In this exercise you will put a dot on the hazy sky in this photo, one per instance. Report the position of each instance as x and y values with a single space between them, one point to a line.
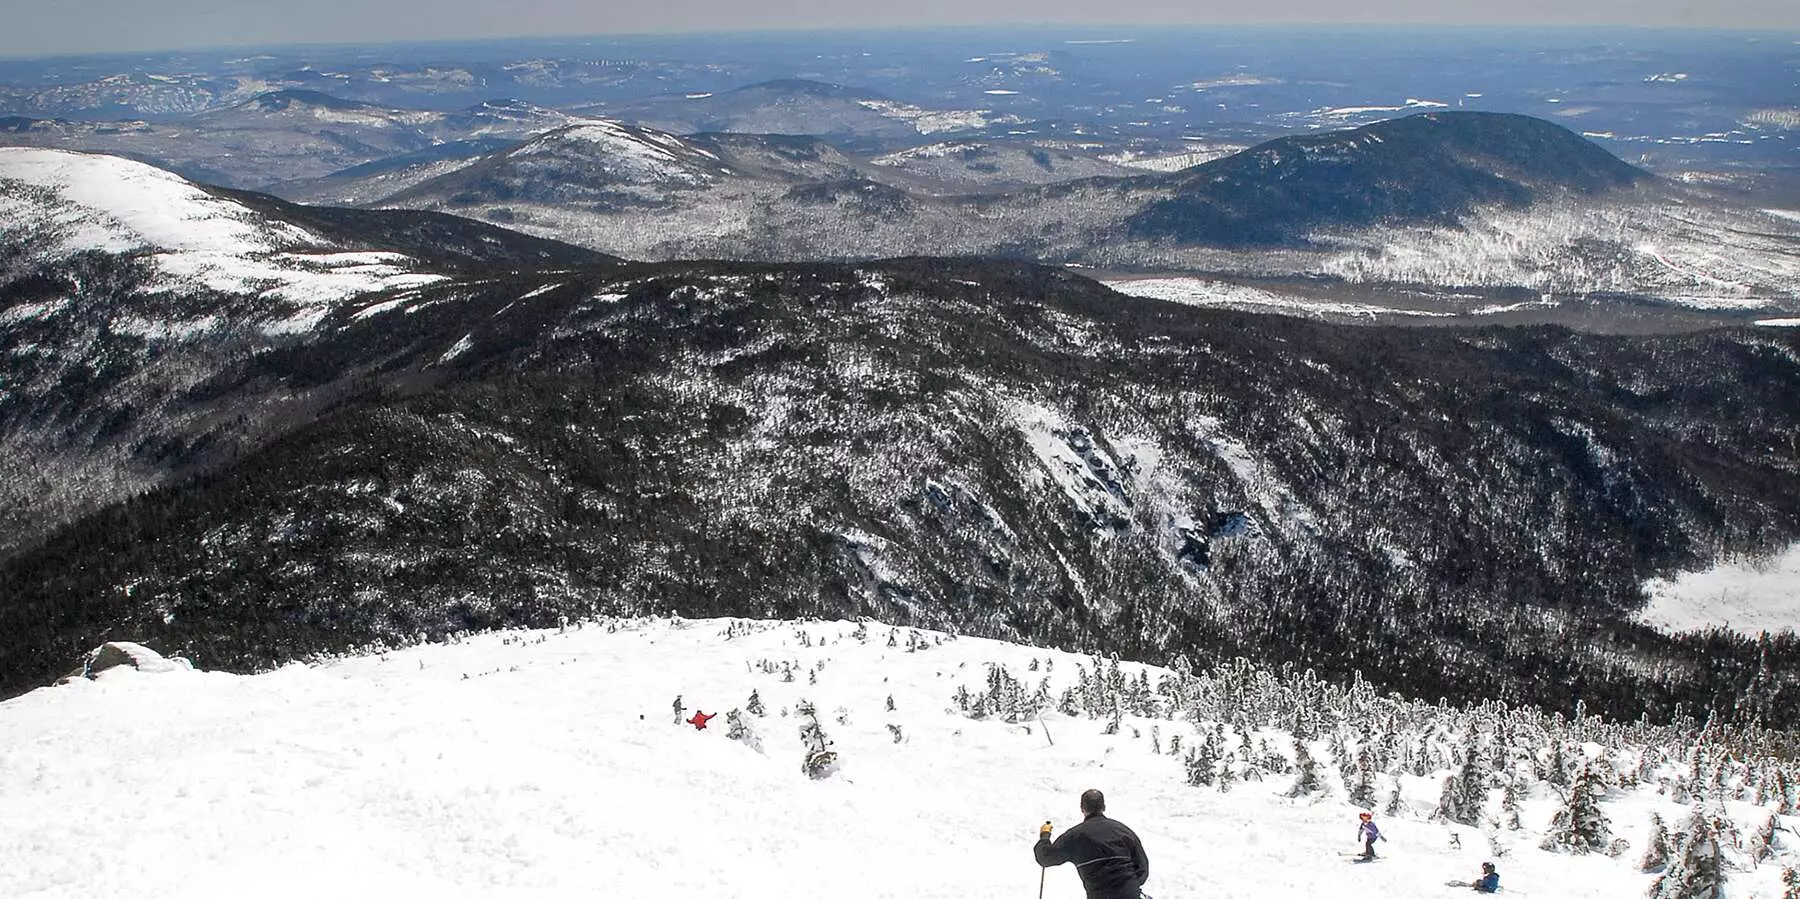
46 27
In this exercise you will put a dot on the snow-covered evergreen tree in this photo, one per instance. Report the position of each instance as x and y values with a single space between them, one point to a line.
1790 883
1361 784
1762 843
1306 776
1698 869
1465 792
740 730
1228 772
1202 764
819 761
1509 804
1556 769
1395 806
1781 792
1657 849
1581 826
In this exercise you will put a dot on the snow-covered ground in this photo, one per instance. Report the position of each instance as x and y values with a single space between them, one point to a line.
1748 596
549 764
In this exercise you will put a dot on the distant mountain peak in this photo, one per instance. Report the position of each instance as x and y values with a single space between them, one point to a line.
1431 168
280 101
810 88
627 151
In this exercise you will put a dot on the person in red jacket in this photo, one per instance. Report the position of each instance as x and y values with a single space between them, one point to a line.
1107 855
700 718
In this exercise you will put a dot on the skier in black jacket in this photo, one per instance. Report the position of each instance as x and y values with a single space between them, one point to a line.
1106 854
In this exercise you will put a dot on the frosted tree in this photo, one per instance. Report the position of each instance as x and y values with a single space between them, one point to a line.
1580 826
1306 777
1657 849
1698 871
1762 844
740 730
1202 764
1361 783
1465 792
1509 804
1395 806
1556 770
1228 772
1777 790
819 761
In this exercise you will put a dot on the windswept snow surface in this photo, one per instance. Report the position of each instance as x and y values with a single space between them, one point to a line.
548 764
1749 597
62 203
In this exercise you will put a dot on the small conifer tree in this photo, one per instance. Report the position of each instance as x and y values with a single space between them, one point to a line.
1657 849
1580 826
1306 777
1697 871
819 761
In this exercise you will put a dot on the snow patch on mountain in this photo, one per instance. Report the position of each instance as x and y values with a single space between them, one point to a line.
1072 460
62 203
936 121
1224 294
1744 595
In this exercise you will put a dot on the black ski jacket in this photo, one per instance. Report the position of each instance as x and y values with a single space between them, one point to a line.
1106 854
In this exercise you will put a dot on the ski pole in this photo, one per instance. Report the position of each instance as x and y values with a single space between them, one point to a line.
1045 832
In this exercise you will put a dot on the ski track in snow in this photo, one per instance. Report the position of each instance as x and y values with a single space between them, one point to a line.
547 764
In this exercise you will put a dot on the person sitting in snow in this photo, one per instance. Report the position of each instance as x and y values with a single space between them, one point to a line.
1368 833
1489 881
1106 854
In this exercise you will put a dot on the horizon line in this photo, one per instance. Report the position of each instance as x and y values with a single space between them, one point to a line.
794 30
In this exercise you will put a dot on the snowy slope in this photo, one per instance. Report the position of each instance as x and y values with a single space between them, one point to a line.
548 764
60 203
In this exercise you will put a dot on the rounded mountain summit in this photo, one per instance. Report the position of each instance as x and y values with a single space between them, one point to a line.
1426 169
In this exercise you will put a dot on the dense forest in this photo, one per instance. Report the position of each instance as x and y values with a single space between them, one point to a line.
990 448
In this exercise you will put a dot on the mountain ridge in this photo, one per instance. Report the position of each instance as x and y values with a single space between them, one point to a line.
989 447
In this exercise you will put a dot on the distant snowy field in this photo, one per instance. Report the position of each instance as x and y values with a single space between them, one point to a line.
1748 597
548 764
